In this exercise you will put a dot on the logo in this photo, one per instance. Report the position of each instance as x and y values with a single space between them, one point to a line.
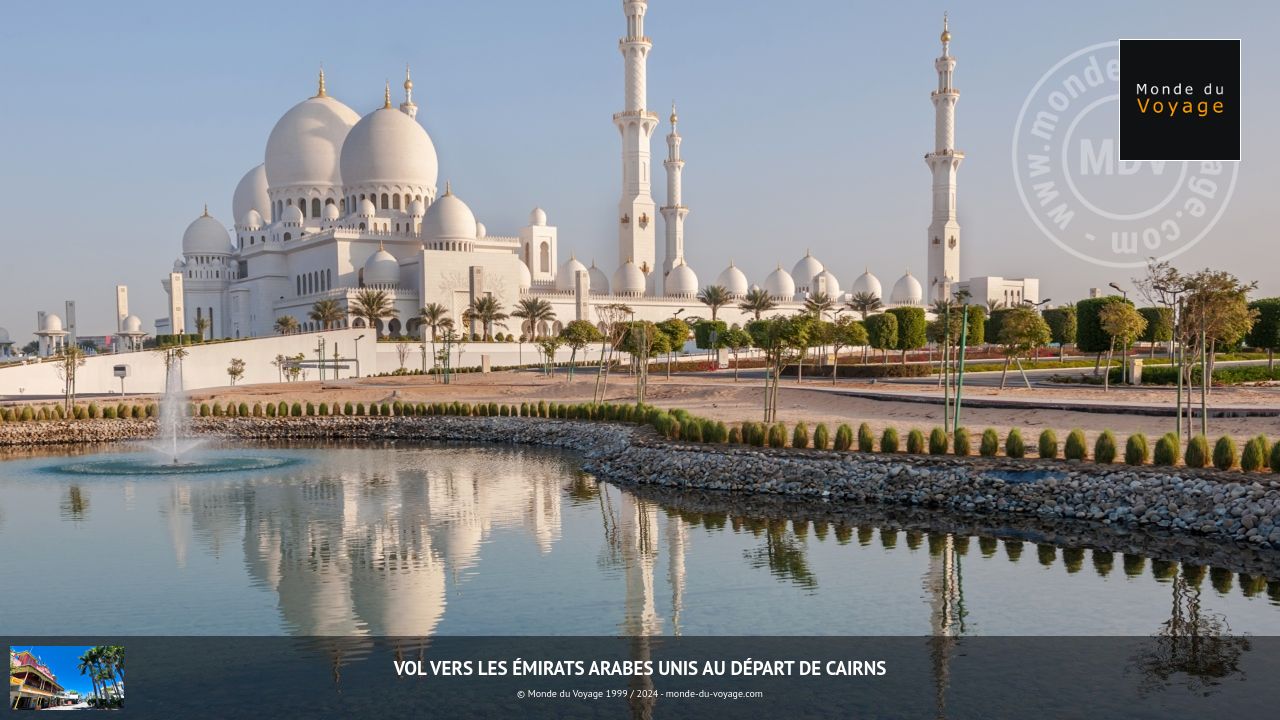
1071 180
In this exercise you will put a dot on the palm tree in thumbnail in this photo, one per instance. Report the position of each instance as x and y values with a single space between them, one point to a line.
756 302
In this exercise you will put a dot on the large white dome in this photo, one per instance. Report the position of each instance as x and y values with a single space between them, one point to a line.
733 280
599 281
682 282
538 217
206 236
628 280
52 324
526 277
251 194
381 269
449 218
868 283
779 285
568 274
305 145
833 284
907 291
805 270
389 148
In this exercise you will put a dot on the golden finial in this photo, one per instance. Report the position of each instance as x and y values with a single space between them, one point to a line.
674 118
408 81
946 33
386 96
206 210
320 92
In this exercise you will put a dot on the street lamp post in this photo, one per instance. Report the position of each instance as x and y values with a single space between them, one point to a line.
358 339
1124 351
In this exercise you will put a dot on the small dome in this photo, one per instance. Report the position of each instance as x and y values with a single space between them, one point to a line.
868 283
780 285
179 264
305 144
805 270
381 269
206 236
682 282
133 324
628 280
251 220
292 215
538 217
733 280
449 218
481 230
52 324
387 147
599 281
833 285
367 208
907 291
568 274
417 208
331 212
251 194
526 277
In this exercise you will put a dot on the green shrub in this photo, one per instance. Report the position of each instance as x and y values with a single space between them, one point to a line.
386 409
231 410
866 439
348 408
989 446
108 413
778 436
282 409
757 434
1197 452
322 409
915 442
257 409
821 437
271 409
735 435
204 410
889 440
1274 459
722 433
1047 447
693 432
542 409
1224 453
961 444
153 410
844 437
1076 448
311 409
1014 446
800 436
1254 457
296 409
1167 450
938 441
123 411
360 408
1136 450
1265 445
1104 449
493 409
218 410
94 411
244 409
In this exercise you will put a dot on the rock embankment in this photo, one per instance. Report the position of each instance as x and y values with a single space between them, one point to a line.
1228 507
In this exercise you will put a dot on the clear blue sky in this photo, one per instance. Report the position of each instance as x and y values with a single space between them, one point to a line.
64 662
804 125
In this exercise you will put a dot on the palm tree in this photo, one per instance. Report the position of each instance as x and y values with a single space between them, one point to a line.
864 302
533 312
488 312
757 302
714 297
374 306
432 316
286 324
202 326
993 304
326 312
818 305
88 667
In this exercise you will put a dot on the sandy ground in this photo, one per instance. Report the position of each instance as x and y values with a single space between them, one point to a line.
812 401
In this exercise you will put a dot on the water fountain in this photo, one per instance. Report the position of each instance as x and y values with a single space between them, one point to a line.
172 431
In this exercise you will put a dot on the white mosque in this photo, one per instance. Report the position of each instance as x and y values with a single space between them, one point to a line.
343 202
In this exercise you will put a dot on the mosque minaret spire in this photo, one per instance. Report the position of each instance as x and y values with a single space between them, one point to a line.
674 212
636 223
407 107
944 163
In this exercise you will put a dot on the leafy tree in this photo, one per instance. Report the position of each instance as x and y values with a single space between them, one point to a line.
1122 323
736 340
1265 333
1159 326
677 332
757 302
68 363
235 370
1022 332
577 335
845 332
1217 310
374 306
864 302
714 297
1090 337
780 338
882 332
703 331
327 313
1062 326
286 325
912 329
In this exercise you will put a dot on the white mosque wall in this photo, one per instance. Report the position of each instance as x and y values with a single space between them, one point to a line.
504 354
204 367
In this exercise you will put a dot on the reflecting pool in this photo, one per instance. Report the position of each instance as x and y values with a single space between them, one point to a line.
410 540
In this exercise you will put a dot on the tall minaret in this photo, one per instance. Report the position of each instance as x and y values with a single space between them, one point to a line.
674 212
944 161
636 221
407 107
